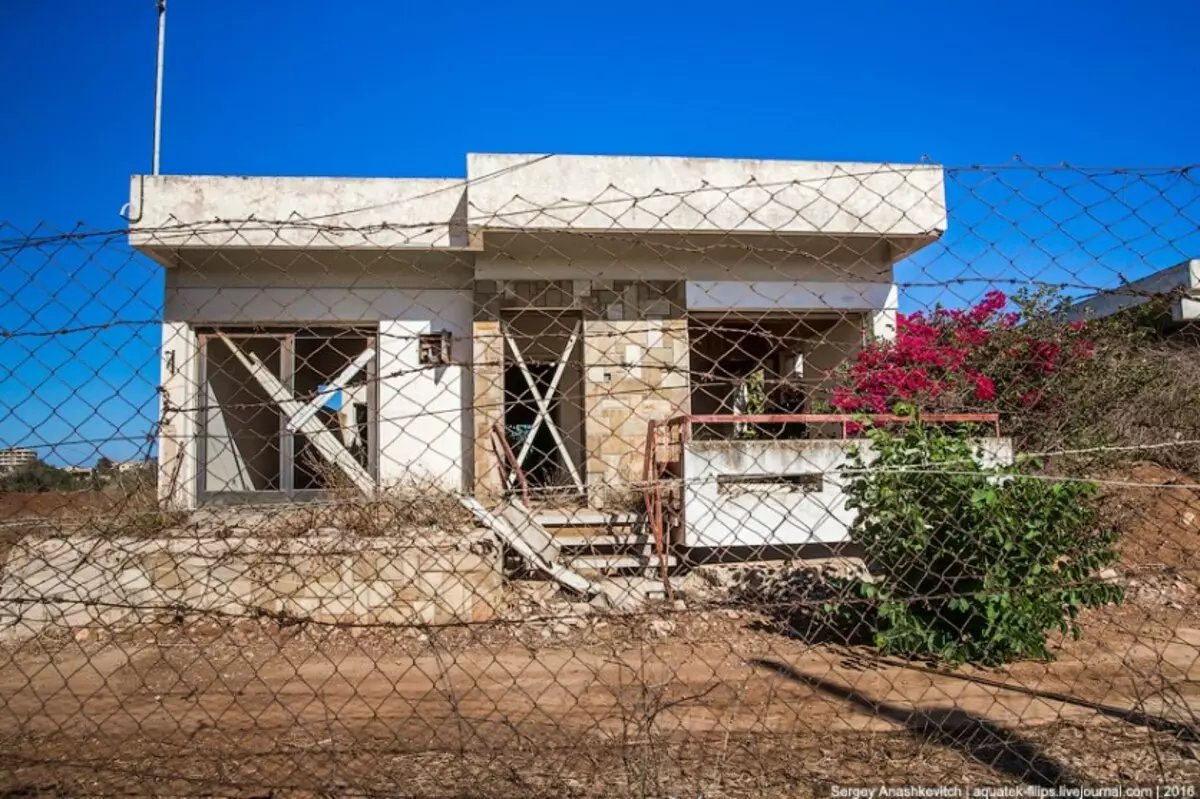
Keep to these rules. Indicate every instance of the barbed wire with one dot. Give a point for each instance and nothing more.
(640, 565)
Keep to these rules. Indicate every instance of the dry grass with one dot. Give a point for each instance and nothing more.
(395, 511)
(115, 510)
(1140, 407)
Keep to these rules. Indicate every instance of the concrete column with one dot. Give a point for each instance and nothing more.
(635, 371)
(177, 445)
(420, 411)
(488, 370)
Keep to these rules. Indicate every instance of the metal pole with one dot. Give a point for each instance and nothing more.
(158, 84)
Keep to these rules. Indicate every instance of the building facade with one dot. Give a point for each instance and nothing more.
(15, 458)
(379, 332)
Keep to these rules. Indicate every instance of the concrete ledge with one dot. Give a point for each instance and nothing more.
(637, 193)
(785, 493)
(185, 211)
(85, 581)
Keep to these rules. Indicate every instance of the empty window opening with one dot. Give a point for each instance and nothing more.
(767, 366)
(343, 406)
(242, 442)
(286, 411)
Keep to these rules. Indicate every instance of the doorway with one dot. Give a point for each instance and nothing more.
(544, 398)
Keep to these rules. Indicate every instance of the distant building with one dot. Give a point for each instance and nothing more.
(79, 471)
(1179, 283)
(15, 458)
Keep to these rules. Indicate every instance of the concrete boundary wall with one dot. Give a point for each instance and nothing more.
(778, 493)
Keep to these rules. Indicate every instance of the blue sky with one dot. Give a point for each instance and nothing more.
(384, 88)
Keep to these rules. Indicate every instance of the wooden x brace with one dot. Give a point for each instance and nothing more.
(325, 442)
(543, 404)
(338, 384)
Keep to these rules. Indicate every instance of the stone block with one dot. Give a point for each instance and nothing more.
(363, 566)
(408, 592)
(366, 581)
(395, 568)
(461, 562)
(454, 601)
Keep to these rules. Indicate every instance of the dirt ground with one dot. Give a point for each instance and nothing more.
(705, 698)
(1161, 525)
(703, 702)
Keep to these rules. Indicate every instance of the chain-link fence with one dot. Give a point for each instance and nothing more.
(591, 477)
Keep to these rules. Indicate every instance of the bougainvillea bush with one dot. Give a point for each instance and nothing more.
(982, 357)
(1015, 356)
(1110, 383)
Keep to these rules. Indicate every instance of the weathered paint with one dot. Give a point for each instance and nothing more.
(775, 516)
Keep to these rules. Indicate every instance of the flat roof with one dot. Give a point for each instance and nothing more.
(571, 193)
(1180, 280)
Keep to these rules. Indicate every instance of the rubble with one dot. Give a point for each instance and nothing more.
(661, 628)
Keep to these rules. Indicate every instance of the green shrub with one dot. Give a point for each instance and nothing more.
(975, 564)
(38, 477)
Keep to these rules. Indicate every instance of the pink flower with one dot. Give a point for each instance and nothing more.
(1084, 349)
(939, 354)
(1030, 399)
(985, 388)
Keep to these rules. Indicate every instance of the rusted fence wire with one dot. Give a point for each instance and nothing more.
(700, 479)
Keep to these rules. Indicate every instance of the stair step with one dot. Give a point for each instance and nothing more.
(585, 518)
(598, 541)
(615, 562)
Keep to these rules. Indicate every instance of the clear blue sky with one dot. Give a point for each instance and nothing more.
(385, 88)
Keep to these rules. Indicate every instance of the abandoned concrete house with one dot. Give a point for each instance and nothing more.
(384, 331)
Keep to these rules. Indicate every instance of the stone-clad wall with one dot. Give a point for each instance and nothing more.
(635, 361)
(488, 407)
(613, 300)
(83, 581)
(636, 371)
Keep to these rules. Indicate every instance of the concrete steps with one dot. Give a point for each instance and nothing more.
(606, 564)
(585, 518)
(603, 542)
(595, 542)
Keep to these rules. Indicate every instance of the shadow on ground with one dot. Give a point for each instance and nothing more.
(973, 736)
(1185, 733)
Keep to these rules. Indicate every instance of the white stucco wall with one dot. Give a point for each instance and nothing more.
(424, 431)
(757, 296)
(883, 319)
(424, 414)
(177, 464)
(760, 517)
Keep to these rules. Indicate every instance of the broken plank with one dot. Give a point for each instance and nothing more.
(339, 383)
(530, 552)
